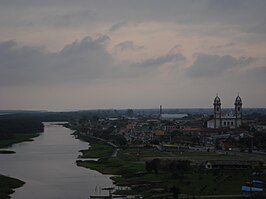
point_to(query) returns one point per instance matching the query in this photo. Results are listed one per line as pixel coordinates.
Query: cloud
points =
(183, 11)
(86, 59)
(21, 63)
(207, 65)
(127, 45)
(218, 5)
(169, 61)
(160, 60)
(257, 74)
(259, 28)
(222, 46)
(74, 18)
(117, 26)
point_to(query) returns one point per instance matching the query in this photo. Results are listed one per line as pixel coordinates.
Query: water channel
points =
(48, 167)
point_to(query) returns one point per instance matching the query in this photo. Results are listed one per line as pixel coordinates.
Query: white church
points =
(228, 120)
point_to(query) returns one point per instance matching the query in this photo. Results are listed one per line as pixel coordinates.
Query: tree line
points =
(11, 126)
(174, 166)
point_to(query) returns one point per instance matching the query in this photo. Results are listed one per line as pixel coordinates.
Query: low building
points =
(170, 128)
(159, 135)
(260, 127)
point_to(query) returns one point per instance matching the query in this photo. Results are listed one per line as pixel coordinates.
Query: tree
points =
(148, 166)
(176, 167)
(156, 163)
(120, 140)
(153, 165)
(175, 190)
(258, 196)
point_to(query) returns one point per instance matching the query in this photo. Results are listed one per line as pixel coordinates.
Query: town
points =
(228, 144)
(178, 132)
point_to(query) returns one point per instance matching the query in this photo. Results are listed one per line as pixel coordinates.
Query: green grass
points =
(113, 166)
(19, 137)
(7, 185)
(131, 154)
(192, 183)
(97, 150)
(129, 165)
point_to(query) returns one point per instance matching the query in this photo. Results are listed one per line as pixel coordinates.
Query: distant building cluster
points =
(228, 120)
(172, 130)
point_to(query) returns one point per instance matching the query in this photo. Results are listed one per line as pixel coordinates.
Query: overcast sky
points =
(86, 54)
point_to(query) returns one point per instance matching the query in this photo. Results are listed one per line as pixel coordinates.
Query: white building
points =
(228, 120)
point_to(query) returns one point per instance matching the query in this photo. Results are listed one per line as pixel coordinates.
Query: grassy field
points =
(192, 183)
(98, 150)
(7, 185)
(129, 170)
(19, 137)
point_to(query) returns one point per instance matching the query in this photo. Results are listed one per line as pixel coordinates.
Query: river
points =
(48, 167)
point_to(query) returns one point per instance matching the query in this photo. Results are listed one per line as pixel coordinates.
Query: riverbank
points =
(97, 148)
(15, 129)
(6, 152)
(48, 165)
(169, 172)
(17, 138)
(7, 186)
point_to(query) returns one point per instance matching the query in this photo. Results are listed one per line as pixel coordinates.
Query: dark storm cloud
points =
(207, 65)
(81, 60)
(127, 45)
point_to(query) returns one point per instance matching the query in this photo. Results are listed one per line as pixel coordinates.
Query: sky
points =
(63, 55)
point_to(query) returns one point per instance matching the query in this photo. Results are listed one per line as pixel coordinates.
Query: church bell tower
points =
(238, 112)
(217, 112)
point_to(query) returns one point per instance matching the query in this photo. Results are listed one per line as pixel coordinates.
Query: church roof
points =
(217, 100)
(238, 100)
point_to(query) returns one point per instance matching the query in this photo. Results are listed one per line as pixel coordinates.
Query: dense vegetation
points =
(7, 185)
(14, 130)
(11, 126)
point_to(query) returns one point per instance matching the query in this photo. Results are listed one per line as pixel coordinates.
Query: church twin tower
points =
(229, 120)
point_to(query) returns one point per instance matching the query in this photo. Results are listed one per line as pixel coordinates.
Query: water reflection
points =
(48, 167)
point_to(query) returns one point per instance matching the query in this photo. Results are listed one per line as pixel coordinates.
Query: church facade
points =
(229, 120)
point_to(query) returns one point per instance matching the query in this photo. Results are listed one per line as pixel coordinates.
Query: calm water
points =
(48, 167)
